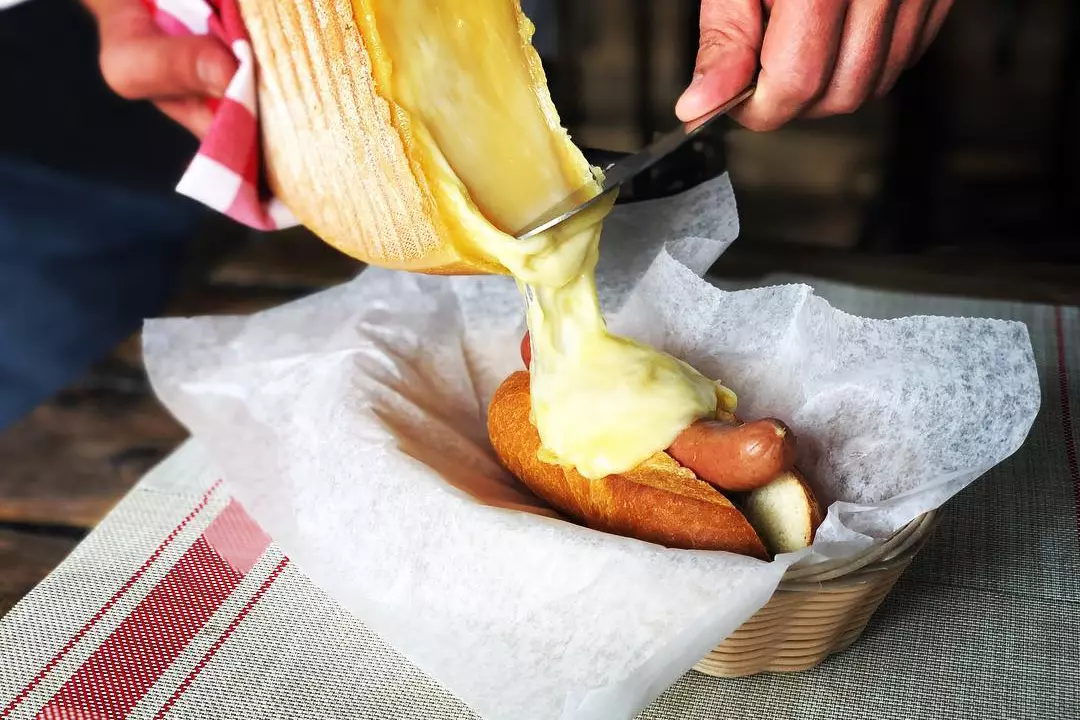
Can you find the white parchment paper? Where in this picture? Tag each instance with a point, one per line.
(351, 425)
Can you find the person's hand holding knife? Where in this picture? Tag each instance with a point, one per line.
(816, 57)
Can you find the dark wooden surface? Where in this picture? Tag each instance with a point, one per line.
(25, 558)
(960, 272)
(71, 460)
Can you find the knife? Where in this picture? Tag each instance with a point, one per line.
(622, 171)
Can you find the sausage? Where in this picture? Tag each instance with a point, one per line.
(526, 350)
(736, 457)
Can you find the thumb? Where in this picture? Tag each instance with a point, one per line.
(727, 59)
(139, 61)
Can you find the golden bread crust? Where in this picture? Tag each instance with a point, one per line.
(659, 501)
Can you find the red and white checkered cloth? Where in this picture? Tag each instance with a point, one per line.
(225, 173)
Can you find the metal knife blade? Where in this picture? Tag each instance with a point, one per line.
(630, 167)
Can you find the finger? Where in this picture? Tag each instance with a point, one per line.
(192, 113)
(139, 61)
(931, 29)
(735, 457)
(167, 67)
(910, 19)
(731, 35)
(798, 55)
(864, 48)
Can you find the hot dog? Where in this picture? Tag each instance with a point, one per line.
(674, 498)
(659, 501)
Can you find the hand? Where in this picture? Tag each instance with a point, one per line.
(816, 57)
(177, 74)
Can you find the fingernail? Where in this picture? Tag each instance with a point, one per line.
(695, 82)
(686, 106)
(212, 76)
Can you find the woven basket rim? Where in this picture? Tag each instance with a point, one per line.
(898, 550)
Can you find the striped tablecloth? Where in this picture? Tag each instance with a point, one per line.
(179, 606)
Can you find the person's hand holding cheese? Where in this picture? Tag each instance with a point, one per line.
(139, 61)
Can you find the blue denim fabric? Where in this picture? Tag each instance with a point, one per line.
(82, 263)
(91, 232)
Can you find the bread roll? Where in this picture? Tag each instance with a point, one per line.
(785, 512)
(410, 134)
(659, 501)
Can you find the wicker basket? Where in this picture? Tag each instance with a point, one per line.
(817, 610)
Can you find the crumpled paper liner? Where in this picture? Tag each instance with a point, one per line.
(351, 425)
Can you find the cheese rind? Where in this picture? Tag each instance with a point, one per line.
(330, 150)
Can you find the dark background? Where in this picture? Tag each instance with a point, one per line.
(963, 181)
(970, 169)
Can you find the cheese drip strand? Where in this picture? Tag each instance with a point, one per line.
(469, 99)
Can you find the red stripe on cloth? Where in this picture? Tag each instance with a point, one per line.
(116, 676)
(1066, 415)
(52, 663)
(209, 655)
(232, 22)
(237, 538)
(215, 28)
(169, 24)
(235, 141)
(247, 209)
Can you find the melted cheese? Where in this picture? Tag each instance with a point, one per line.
(470, 102)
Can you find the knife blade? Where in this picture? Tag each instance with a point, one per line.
(629, 167)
